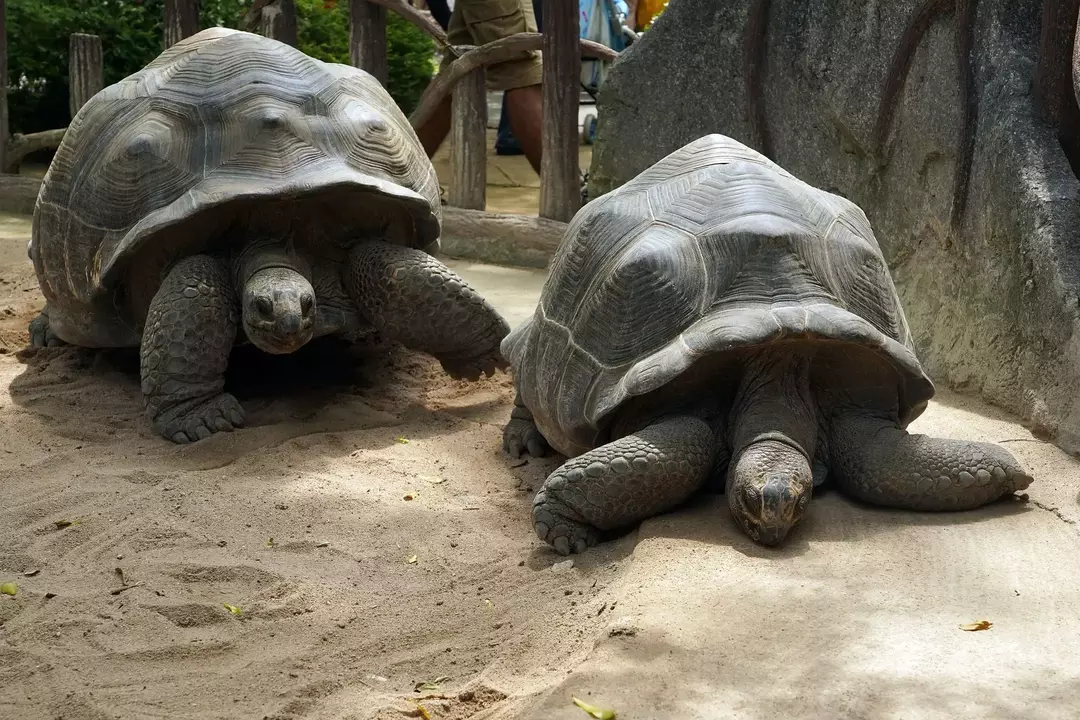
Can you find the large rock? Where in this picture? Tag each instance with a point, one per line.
(990, 288)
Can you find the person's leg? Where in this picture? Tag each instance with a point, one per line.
(518, 78)
(441, 12)
(505, 142)
(434, 131)
(525, 106)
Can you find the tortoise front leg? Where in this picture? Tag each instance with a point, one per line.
(189, 334)
(877, 462)
(623, 482)
(412, 298)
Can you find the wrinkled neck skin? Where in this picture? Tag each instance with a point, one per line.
(773, 432)
(277, 299)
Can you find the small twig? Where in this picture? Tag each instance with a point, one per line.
(119, 590)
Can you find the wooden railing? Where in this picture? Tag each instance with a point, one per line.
(507, 237)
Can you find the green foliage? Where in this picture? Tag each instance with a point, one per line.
(323, 29)
(131, 34)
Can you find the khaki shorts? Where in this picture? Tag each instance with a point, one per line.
(477, 22)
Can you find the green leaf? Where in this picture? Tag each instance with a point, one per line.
(233, 609)
(9, 588)
(430, 685)
(594, 711)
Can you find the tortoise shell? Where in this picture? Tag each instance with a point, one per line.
(224, 124)
(712, 250)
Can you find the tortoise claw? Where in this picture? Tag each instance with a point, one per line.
(182, 425)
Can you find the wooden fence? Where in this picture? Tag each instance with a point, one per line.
(508, 238)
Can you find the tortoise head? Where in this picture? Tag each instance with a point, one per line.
(768, 490)
(279, 310)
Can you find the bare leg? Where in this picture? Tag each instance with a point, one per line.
(623, 482)
(434, 131)
(521, 435)
(189, 334)
(412, 298)
(525, 108)
(877, 462)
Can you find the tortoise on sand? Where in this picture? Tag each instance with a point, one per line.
(237, 184)
(716, 314)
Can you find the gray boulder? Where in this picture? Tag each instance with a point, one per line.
(986, 259)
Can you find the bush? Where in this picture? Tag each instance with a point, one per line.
(131, 33)
(323, 30)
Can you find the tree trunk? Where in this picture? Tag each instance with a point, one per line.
(3, 87)
(278, 21)
(85, 70)
(367, 38)
(181, 20)
(468, 143)
(560, 172)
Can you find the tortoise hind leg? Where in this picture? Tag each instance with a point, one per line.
(877, 462)
(412, 298)
(189, 333)
(41, 334)
(623, 482)
(521, 434)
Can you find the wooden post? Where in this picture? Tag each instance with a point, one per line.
(468, 143)
(181, 20)
(560, 179)
(3, 87)
(85, 69)
(367, 38)
(278, 21)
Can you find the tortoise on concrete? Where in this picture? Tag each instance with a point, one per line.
(716, 314)
(236, 186)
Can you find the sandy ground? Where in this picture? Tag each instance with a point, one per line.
(350, 594)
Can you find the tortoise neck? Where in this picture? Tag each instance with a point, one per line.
(262, 254)
(774, 402)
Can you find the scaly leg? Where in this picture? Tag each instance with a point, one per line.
(623, 482)
(877, 462)
(521, 434)
(416, 300)
(41, 335)
(189, 333)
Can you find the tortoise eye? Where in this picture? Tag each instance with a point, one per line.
(264, 306)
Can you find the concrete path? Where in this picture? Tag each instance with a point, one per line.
(858, 616)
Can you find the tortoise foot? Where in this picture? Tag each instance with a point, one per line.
(41, 334)
(521, 436)
(474, 367)
(198, 421)
(553, 525)
(621, 483)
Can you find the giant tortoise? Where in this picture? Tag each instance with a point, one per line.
(717, 315)
(236, 178)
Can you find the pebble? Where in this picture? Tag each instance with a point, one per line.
(562, 566)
